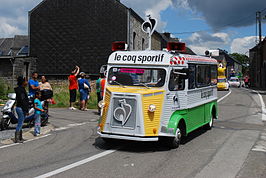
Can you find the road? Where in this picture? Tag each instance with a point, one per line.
(233, 148)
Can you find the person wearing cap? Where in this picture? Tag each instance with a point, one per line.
(84, 89)
(73, 86)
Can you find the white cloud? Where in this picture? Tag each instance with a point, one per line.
(199, 42)
(200, 50)
(14, 16)
(7, 30)
(242, 45)
(155, 10)
(148, 7)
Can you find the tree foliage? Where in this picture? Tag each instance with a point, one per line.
(242, 58)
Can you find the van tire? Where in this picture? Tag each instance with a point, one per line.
(174, 142)
(209, 125)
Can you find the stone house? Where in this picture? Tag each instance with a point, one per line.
(66, 33)
(257, 57)
(233, 66)
(14, 59)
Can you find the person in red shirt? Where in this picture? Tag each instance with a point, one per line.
(102, 86)
(73, 86)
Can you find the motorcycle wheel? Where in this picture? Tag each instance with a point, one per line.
(44, 120)
(3, 124)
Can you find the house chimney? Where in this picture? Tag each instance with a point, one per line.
(167, 34)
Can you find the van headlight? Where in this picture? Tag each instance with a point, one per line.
(152, 108)
(101, 104)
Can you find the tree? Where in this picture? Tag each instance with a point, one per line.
(243, 59)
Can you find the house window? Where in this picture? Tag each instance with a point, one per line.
(143, 43)
(134, 40)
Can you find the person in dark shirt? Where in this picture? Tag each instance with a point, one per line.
(22, 107)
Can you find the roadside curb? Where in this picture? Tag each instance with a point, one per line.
(28, 135)
(263, 108)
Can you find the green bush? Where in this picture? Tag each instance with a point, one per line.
(4, 90)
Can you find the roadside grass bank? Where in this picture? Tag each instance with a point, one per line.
(61, 95)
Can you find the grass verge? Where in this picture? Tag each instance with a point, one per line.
(61, 97)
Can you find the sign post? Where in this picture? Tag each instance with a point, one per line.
(148, 27)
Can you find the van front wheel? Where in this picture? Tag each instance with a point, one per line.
(174, 142)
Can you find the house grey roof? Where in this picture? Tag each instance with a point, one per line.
(19, 42)
(5, 46)
(14, 45)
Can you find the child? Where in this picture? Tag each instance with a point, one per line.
(37, 116)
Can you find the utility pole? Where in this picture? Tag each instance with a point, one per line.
(258, 15)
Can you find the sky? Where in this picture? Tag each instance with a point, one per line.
(201, 24)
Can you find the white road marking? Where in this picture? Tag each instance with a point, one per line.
(263, 110)
(76, 164)
(261, 144)
(70, 126)
(43, 136)
(5, 146)
(224, 96)
(77, 124)
(61, 128)
(36, 138)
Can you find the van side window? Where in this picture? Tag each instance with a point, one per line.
(191, 76)
(203, 78)
(176, 82)
(213, 75)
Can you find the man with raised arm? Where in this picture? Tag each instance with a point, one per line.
(73, 86)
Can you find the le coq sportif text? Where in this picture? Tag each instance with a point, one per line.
(139, 58)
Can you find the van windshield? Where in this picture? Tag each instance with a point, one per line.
(146, 77)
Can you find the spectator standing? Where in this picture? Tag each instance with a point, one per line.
(246, 80)
(37, 114)
(84, 89)
(33, 84)
(44, 84)
(73, 86)
(98, 91)
(46, 92)
(22, 107)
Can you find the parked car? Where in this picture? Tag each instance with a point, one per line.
(222, 84)
(234, 82)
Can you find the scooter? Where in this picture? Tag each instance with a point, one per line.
(10, 115)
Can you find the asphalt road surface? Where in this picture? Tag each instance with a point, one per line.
(233, 148)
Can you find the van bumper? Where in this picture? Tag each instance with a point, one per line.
(123, 137)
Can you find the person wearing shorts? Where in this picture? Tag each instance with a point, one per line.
(84, 88)
(73, 86)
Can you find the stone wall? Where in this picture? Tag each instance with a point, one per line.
(20, 68)
(140, 36)
(66, 33)
(156, 42)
